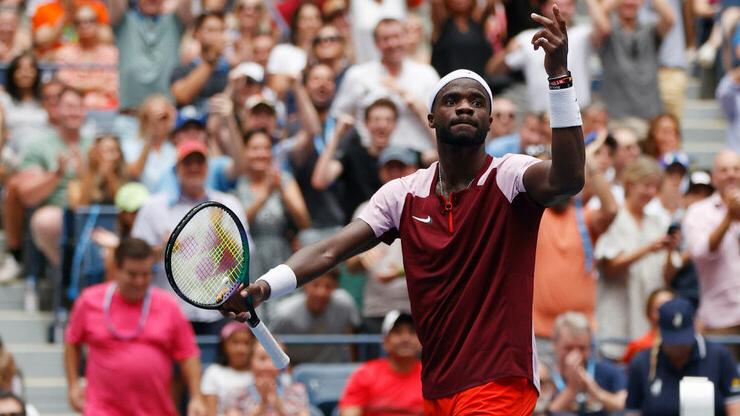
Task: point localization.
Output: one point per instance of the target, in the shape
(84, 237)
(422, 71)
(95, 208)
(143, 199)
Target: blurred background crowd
(118, 116)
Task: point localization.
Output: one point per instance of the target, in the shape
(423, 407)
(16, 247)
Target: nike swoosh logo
(427, 220)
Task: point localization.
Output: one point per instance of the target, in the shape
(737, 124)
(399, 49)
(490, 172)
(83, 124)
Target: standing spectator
(656, 299)
(655, 374)
(160, 215)
(52, 23)
(712, 229)
(321, 308)
(728, 95)
(24, 115)
(225, 380)
(272, 201)
(669, 201)
(584, 384)
(329, 49)
(100, 179)
(133, 333)
(364, 17)
(14, 36)
(417, 41)
(631, 255)
(251, 21)
(408, 84)
(389, 385)
(261, 48)
(664, 136)
(629, 56)
(356, 164)
(90, 65)
(626, 151)
(207, 75)
(149, 39)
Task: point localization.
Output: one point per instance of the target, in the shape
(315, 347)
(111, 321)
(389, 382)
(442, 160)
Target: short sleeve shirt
(469, 271)
(215, 84)
(379, 390)
(608, 376)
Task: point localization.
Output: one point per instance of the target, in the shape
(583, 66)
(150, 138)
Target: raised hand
(553, 38)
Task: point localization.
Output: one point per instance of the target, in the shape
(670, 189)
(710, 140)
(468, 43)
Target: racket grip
(264, 336)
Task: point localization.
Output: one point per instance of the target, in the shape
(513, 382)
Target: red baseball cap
(188, 147)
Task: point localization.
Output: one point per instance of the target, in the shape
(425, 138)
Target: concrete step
(38, 360)
(11, 295)
(24, 327)
(48, 394)
(702, 110)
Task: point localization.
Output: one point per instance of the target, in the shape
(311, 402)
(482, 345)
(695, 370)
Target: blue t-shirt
(659, 396)
(503, 145)
(607, 375)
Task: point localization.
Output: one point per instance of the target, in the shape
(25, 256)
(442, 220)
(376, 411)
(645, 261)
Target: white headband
(455, 75)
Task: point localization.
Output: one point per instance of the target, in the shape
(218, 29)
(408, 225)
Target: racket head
(207, 255)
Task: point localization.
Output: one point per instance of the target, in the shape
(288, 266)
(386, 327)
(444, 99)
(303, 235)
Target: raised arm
(601, 27)
(553, 181)
(328, 169)
(117, 9)
(666, 16)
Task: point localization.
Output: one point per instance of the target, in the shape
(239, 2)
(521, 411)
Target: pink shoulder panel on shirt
(510, 173)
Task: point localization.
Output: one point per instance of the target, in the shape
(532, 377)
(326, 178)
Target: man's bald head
(726, 171)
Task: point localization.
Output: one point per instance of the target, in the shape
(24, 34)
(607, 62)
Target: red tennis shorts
(511, 396)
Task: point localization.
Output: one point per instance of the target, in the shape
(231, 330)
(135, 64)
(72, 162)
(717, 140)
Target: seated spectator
(272, 393)
(529, 134)
(21, 101)
(389, 385)
(100, 179)
(504, 112)
(584, 384)
(712, 229)
(206, 76)
(728, 95)
(655, 374)
(90, 65)
(52, 23)
(629, 55)
(631, 255)
(273, 204)
(225, 380)
(354, 163)
(132, 332)
(320, 309)
(656, 299)
(664, 136)
(151, 155)
(14, 36)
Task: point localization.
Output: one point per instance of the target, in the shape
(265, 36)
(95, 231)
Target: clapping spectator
(251, 21)
(100, 179)
(90, 65)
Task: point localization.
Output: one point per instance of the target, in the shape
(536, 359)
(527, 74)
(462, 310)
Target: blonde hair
(641, 168)
(575, 321)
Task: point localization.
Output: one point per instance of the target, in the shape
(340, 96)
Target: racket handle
(264, 336)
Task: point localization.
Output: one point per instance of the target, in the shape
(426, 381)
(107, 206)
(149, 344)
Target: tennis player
(468, 227)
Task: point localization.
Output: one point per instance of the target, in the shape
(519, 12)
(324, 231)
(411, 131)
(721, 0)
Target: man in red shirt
(468, 228)
(391, 385)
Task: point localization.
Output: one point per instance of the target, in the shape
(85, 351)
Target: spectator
(581, 41)
(626, 151)
(100, 179)
(208, 75)
(712, 229)
(357, 165)
(584, 384)
(273, 203)
(728, 95)
(160, 215)
(664, 136)
(149, 39)
(655, 374)
(459, 40)
(364, 16)
(329, 49)
(10, 377)
(50, 162)
(417, 41)
(629, 56)
(320, 309)
(52, 23)
(669, 202)
(11, 404)
(225, 380)
(251, 21)
(529, 134)
(595, 118)
(133, 332)
(24, 114)
(261, 49)
(407, 83)
(271, 394)
(389, 385)
(654, 301)
(14, 38)
(245, 80)
(151, 154)
(631, 255)
(90, 65)
(504, 112)
(565, 275)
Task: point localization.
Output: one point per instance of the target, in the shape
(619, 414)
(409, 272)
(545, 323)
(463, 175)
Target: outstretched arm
(562, 177)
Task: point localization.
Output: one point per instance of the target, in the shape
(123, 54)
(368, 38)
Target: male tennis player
(468, 228)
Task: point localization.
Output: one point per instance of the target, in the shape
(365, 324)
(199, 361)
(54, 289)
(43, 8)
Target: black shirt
(455, 49)
(359, 173)
(216, 82)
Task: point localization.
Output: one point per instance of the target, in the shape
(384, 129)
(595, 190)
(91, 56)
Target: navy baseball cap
(675, 158)
(190, 114)
(676, 322)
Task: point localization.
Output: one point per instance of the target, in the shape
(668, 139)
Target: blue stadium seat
(324, 382)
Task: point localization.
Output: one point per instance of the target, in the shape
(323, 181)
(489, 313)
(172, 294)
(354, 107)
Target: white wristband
(564, 110)
(281, 279)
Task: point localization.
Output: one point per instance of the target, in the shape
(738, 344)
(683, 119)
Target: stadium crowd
(293, 113)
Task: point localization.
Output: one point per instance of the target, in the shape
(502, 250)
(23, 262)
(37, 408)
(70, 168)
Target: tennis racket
(207, 258)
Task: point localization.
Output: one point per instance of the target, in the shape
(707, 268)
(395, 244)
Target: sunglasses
(501, 114)
(326, 39)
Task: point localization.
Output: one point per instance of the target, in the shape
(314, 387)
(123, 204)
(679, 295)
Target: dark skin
(461, 116)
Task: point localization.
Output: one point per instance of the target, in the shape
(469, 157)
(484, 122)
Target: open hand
(553, 38)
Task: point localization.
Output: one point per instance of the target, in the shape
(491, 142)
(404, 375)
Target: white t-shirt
(533, 63)
(225, 383)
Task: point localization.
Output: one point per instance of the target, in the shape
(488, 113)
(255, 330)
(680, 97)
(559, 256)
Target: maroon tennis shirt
(469, 263)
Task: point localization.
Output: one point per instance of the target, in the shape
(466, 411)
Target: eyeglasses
(503, 114)
(326, 39)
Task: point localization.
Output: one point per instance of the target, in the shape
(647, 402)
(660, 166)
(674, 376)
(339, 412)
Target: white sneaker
(9, 269)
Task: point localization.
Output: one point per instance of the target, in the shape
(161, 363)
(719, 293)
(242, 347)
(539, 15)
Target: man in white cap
(468, 228)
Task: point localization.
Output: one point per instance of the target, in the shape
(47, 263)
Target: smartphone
(674, 228)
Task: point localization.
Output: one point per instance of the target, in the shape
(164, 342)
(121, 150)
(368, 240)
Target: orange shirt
(52, 13)
(561, 282)
(639, 344)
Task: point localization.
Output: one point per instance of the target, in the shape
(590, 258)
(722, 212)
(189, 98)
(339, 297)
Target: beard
(474, 139)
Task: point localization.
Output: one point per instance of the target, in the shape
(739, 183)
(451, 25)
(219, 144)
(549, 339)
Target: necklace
(142, 316)
(440, 184)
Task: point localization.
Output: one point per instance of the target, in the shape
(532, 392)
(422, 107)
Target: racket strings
(207, 257)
